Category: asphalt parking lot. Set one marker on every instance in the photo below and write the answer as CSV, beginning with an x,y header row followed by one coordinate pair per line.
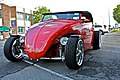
x,y
102,64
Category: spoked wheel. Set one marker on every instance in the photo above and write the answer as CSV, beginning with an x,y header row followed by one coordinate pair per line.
x,y
80,52
16,51
12,49
74,53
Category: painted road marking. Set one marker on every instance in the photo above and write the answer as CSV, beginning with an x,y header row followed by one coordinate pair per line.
x,y
28,62
48,70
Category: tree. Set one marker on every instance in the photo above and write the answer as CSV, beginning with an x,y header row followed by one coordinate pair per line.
x,y
116,13
38,13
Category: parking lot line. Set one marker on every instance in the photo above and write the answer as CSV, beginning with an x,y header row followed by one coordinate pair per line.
x,y
48,70
28,62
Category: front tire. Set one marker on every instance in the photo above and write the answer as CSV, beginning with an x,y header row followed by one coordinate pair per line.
x,y
12,49
74,52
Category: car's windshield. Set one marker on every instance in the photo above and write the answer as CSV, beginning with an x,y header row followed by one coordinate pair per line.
x,y
74,16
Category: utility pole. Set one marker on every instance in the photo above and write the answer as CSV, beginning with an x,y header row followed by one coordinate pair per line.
x,y
109,18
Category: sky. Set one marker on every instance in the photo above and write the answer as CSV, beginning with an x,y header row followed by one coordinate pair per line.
x,y
99,8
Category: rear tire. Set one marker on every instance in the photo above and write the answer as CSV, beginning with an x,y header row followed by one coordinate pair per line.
x,y
11,50
74,53
97,40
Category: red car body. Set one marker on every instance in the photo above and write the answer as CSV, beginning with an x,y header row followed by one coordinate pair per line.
x,y
43,39
63,35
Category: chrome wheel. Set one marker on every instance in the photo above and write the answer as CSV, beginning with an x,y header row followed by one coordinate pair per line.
x,y
16,51
80,52
13,49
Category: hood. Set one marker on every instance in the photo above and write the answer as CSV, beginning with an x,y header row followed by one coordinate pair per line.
x,y
39,38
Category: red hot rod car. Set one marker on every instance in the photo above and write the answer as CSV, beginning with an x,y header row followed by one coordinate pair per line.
x,y
64,35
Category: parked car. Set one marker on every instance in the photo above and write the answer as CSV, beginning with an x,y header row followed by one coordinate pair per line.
x,y
102,28
60,35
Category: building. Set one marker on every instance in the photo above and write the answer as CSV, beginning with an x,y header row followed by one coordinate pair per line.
x,y
16,18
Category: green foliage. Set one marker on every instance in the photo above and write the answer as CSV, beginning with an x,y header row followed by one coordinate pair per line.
x,y
115,31
116,13
38,13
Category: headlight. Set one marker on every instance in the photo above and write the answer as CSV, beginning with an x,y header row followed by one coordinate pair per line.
x,y
63,40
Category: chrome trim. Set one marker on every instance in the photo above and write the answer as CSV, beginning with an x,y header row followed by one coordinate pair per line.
x,y
80,52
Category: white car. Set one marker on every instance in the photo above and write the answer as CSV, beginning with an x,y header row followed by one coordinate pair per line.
x,y
102,28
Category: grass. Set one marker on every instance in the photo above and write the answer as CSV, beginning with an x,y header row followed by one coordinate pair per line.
x,y
115,31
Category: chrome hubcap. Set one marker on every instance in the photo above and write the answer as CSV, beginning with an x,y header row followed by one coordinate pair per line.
x,y
16,51
80,52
